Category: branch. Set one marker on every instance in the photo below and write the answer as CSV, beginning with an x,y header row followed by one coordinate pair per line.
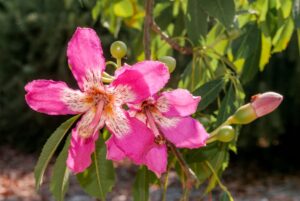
x,y
147,27
170,41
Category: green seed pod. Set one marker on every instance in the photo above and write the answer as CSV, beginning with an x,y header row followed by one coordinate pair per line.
x,y
226,134
118,49
169,61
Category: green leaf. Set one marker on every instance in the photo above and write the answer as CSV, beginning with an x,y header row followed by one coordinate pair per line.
x,y
223,10
99,178
298,36
60,177
141,185
266,46
209,92
296,13
96,10
262,7
123,8
283,35
286,8
227,106
196,21
49,149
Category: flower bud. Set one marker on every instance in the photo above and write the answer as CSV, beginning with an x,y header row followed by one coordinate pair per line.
x,y
260,105
169,61
225,134
265,103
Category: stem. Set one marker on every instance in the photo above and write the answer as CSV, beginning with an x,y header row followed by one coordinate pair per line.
x,y
111,63
191,176
213,135
106,75
106,80
147,26
170,41
164,194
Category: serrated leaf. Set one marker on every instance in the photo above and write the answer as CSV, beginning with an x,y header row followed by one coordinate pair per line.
x,y
223,10
60,176
141,185
99,178
283,35
227,106
49,149
209,92
196,21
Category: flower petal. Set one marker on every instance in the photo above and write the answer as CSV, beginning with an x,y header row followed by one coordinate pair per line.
x,y
136,142
187,133
178,102
85,57
80,151
54,98
113,151
143,79
156,159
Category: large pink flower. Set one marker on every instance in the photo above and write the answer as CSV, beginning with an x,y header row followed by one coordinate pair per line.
x,y
168,116
100,104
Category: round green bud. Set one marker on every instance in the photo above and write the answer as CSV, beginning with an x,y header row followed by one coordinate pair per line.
x,y
118,49
226,134
169,61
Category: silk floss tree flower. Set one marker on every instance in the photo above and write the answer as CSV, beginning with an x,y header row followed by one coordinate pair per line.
x,y
100,104
168,116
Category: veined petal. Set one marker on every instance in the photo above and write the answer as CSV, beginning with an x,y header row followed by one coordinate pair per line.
x,y
136,142
85,57
55,98
178,102
156,159
80,151
186,133
143,79
113,151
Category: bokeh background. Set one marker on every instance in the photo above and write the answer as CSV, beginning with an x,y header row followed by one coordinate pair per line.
x,y
33,38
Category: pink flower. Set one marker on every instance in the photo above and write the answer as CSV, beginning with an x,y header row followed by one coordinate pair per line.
x,y
265,103
100,104
167,115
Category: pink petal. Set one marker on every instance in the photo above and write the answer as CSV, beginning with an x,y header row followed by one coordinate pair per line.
x,y
186,133
54,98
136,142
143,79
85,56
178,102
266,103
156,159
113,151
80,151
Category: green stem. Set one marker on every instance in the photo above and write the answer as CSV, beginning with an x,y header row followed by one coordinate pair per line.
x,y
213,135
106,75
106,80
111,63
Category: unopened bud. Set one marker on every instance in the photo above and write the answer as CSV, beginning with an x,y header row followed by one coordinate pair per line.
x,y
260,105
226,134
266,103
169,61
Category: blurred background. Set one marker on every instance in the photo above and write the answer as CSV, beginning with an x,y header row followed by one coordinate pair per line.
x,y
33,39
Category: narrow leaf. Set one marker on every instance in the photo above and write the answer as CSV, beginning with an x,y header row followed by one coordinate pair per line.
x,y
60,176
99,178
141,185
49,149
196,21
209,92
283,36
223,10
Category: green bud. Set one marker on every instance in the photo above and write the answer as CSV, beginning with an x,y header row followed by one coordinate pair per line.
x,y
118,49
226,134
169,61
244,115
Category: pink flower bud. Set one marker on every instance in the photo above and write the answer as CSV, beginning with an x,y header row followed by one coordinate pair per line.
x,y
265,103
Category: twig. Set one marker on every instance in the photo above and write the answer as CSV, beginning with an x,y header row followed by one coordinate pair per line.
x,y
170,41
147,27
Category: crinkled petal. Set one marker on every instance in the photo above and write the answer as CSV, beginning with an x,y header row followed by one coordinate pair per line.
x,y
186,133
156,159
136,142
178,102
140,81
55,98
80,151
113,151
85,57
